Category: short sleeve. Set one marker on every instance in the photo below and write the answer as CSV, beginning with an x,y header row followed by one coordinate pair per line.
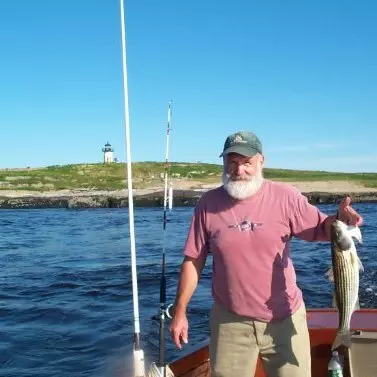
x,y
307,221
197,242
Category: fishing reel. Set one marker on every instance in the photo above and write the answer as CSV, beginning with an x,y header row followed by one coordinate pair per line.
x,y
167,312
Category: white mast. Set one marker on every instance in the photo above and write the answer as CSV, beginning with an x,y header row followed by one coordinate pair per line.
x,y
139,367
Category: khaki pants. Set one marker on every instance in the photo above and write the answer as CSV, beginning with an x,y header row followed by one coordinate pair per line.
x,y
236,343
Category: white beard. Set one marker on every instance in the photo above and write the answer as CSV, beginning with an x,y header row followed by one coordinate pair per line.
x,y
242,189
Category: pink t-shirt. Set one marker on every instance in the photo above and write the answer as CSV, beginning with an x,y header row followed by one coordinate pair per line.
x,y
253,274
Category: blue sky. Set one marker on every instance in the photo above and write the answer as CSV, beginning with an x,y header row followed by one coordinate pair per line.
x,y
301,74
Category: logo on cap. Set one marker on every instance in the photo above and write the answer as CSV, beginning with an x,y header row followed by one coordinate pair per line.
x,y
237,139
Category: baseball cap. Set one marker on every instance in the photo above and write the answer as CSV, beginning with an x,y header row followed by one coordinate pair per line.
x,y
242,142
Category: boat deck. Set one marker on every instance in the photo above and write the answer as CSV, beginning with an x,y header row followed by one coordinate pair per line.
x,y
360,360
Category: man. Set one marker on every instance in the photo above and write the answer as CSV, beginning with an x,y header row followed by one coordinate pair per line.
x,y
247,224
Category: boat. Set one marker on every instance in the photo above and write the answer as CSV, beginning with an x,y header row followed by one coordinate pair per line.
x,y
359,361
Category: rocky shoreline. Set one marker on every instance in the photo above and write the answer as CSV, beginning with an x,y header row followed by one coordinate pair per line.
x,y
186,197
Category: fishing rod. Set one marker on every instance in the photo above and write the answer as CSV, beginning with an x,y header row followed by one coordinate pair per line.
x,y
138,353
164,311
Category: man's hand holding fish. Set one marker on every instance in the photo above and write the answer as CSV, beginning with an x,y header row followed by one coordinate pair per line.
x,y
346,214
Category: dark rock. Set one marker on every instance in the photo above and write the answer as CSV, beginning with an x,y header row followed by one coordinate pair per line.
x,y
182,198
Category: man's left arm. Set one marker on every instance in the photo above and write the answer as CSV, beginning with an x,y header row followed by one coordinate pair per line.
x,y
310,224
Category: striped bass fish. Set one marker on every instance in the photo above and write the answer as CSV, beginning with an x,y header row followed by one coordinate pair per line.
x,y
344,272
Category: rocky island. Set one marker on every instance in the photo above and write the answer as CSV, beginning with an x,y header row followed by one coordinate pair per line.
x,y
316,192
103,186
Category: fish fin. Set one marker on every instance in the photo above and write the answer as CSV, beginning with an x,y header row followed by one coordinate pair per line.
x,y
342,339
329,275
357,304
361,267
355,233
334,303
356,260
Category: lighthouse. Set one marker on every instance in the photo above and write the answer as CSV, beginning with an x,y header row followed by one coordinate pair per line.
x,y
108,154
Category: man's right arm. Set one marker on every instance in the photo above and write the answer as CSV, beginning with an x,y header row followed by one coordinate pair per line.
x,y
189,276
195,250
191,270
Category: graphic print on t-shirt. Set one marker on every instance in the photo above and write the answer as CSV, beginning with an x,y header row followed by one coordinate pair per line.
x,y
246,226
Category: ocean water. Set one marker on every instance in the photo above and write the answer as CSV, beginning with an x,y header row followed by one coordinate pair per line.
x,y
66,293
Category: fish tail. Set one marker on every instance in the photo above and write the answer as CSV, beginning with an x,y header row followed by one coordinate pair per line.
x,y
343,338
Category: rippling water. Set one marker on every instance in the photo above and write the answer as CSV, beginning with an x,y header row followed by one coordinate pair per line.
x,y
65,286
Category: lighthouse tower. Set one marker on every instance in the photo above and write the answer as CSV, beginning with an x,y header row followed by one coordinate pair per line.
x,y
108,154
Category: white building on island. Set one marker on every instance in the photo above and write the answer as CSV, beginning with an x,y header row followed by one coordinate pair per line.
x,y
108,156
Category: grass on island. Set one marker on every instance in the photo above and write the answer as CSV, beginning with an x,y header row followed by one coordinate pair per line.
x,y
147,174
